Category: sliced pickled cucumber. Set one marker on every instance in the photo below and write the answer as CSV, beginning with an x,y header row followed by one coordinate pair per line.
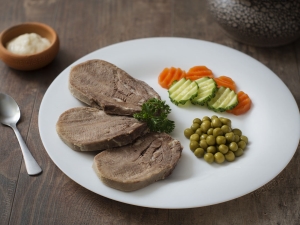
x,y
207,90
225,99
182,91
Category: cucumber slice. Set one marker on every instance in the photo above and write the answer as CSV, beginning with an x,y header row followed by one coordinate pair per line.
x,y
182,91
225,99
207,90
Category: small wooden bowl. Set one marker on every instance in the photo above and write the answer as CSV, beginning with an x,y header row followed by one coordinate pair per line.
x,y
32,61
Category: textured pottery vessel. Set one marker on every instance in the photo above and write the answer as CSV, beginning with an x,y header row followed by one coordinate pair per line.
x,y
264,23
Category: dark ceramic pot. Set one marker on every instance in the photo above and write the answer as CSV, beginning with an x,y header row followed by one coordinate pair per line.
x,y
265,23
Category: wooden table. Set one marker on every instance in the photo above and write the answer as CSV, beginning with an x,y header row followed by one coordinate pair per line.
x,y
85,26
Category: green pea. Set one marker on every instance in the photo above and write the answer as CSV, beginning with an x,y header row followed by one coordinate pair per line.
x,y
223,148
242,145
236,138
225,121
197,120
188,132
210,131
205,125
203,144
225,129
194,145
237,131
211,149
209,157
216,122
219,157
205,118
229,156
233,146
244,138
199,152
210,140
239,152
214,117
195,137
203,137
198,131
221,140
230,137
195,126
217,132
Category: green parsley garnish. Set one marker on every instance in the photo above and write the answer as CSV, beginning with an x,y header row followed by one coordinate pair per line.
x,y
154,113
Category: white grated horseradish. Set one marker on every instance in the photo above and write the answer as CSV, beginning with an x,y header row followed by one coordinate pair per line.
x,y
27,44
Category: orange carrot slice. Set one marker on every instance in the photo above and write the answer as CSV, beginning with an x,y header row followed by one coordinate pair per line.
x,y
225,82
243,106
169,75
162,78
198,72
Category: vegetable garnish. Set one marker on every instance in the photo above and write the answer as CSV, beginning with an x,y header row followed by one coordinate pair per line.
x,y
197,72
154,113
214,139
207,90
225,99
182,91
182,87
244,104
225,82
169,75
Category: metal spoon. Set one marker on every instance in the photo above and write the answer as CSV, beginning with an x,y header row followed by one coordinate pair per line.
x,y
9,116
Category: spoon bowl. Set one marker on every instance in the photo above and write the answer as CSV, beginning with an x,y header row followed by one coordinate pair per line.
x,y
9,116
9,110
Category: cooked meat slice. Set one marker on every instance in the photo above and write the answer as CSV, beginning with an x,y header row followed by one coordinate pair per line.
x,y
103,85
91,129
150,158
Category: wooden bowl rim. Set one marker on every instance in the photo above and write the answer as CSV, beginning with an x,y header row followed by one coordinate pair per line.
x,y
45,27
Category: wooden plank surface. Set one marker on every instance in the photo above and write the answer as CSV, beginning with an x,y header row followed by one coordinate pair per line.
x,y
85,26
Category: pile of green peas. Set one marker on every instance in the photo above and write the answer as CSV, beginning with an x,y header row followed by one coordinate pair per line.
x,y
215,140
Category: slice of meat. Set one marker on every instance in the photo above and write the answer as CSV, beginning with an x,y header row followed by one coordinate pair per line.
x,y
150,158
91,129
103,85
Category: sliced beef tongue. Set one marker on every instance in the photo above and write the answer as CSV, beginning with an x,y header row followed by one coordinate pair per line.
x,y
103,85
150,158
91,129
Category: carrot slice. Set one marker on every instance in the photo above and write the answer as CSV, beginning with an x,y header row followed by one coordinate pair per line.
x,y
169,75
198,72
162,77
244,104
225,82
177,75
198,68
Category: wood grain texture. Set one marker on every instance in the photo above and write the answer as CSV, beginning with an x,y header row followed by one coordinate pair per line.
x,y
85,26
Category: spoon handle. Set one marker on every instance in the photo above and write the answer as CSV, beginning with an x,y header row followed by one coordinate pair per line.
x,y
31,165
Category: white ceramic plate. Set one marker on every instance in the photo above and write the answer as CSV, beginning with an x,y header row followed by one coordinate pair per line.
x,y
193,183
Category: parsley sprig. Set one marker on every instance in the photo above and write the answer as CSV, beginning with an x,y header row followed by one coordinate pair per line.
x,y
155,113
